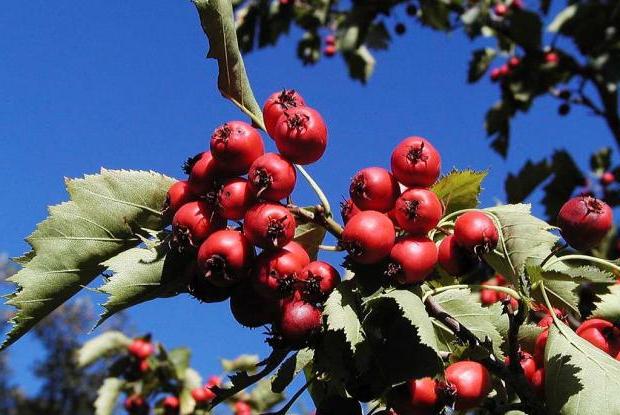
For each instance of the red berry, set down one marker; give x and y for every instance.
(552, 57)
(319, 279)
(330, 39)
(203, 172)
(602, 334)
(348, 210)
(415, 162)
(607, 178)
(225, 257)
(476, 232)
(538, 382)
(329, 51)
(141, 349)
(234, 198)
(249, 308)
(374, 188)
(136, 404)
(488, 297)
(368, 237)
(193, 223)
(235, 145)
(178, 195)
(452, 258)
(299, 320)
(584, 221)
(242, 408)
(301, 135)
(412, 259)
(496, 73)
(470, 381)
(527, 364)
(539, 347)
(276, 104)
(500, 9)
(144, 366)
(513, 62)
(171, 403)
(423, 393)
(272, 177)
(298, 250)
(202, 395)
(269, 225)
(504, 70)
(418, 211)
(275, 272)
(201, 288)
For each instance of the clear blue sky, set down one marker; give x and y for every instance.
(125, 84)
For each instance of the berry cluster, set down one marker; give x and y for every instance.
(488, 296)
(280, 285)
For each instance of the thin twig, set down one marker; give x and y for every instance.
(284, 410)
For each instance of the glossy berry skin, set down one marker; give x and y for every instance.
(500, 9)
(234, 198)
(539, 347)
(249, 308)
(298, 320)
(538, 382)
(552, 58)
(275, 272)
(418, 211)
(297, 249)
(178, 195)
(225, 257)
(193, 223)
(272, 177)
(471, 382)
(269, 225)
(141, 349)
(476, 232)
(318, 280)
(452, 258)
(423, 393)
(527, 362)
(607, 178)
(412, 259)
(415, 162)
(368, 237)
(602, 334)
(374, 188)
(235, 145)
(276, 104)
(348, 210)
(171, 404)
(488, 297)
(329, 50)
(301, 135)
(203, 172)
(335, 404)
(242, 408)
(584, 221)
(496, 74)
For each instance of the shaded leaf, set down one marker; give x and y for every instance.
(106, 344)
(100, 221)
(341, 314)
(459, 189)
(566, 178)
(378, 37)
(361, 64)
(479, 63)
(608, 307)
(309, 234)
(519, 186)
(191, 380)
(262, 398)
(108, 395)
(291, 367)
(245, 362)
(601, 160)
(525, 29)
(497, 126)
(179, 358)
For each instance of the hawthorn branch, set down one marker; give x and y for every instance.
(515, 321)
(498, 368)
(319, 217)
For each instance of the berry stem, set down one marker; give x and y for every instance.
(333, 248)
(317, 189)
(504, 290)
(587, 258)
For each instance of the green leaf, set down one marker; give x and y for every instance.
(601, 160)
(179, 358)
(378, 37)
(309, 234)
(107, 396)
(141, 275)
(106, 344)
(608, 307)
(524, 236)
(435, 14)
(341, 314)
(191, 380)
(100, 221)
(459, 189)
(479, 63)
(361, 64)
(525, 29)
(566, 177)
(519, 186)
(479, 320)
(291, 367)
(216, 17)
(579, 378)
(262, 398)
(497, 126)
(561, 18)
(245, 362)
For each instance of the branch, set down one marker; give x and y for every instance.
(320, 218)
(284, 410)
(515, 322)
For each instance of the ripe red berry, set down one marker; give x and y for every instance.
(301, 135)
(488, 297)
(500, 9)
(272, 177)
(249, 308)
(242, 408)
(276, 104)
(496, 73)
(374, 188)
(476, 232)
(538, 382)
(136, 404)
(470, 382)
(607, 178)
(275, 272)
(348, 210)
(235, 145)
(225, 257)
(298, 250)
(201, 288)
(513, 62)
(504, 70)
(171, 404)
(415, 162)
(269, 225)
(144, 366)
(299, 320)
(141, 349)
(418, 211)
(527, 364)
(584, 221)
(329, 50)
(203, 171)
(423, 393)
(412, 259)
(193, 223)
(234, 198)
(552, 57)
(602, 334)
(319, 279)
(330, 39)
(452, 258)
(539, 347)
(368, 237)
(178, 195)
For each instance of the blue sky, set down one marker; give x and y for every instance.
(126, 85)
